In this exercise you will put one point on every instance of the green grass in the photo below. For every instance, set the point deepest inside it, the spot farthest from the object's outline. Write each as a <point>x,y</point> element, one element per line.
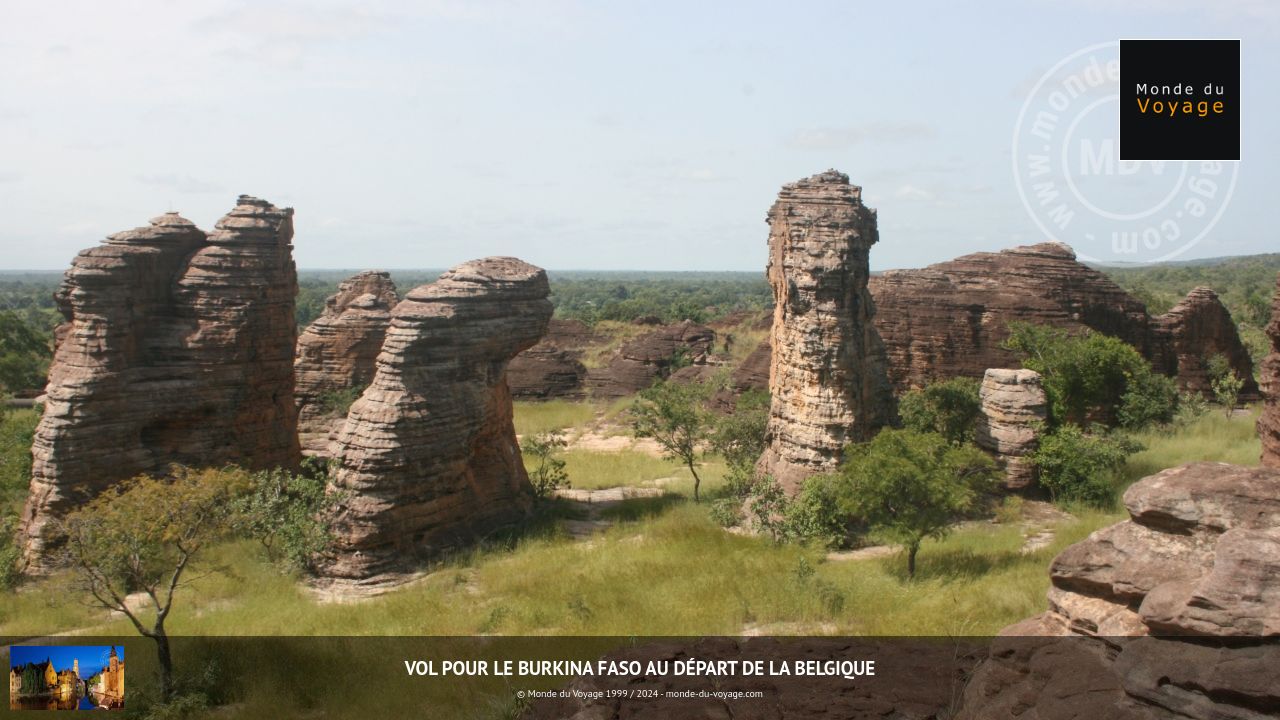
<point>536,417</point>
<point>1210,437</point>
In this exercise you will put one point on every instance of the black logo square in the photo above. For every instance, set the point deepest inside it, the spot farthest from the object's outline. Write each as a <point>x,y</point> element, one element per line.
<point>1179,99</point>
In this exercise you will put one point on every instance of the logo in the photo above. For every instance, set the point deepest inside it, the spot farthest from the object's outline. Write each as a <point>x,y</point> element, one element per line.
<point>1076,187</point>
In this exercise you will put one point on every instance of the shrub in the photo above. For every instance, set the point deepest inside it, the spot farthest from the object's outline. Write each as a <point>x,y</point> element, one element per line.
<point>908,486</point>
<point>726,512</point>
<point>739,438</point>
<point>947,407</point>
<point>337,403</point>
<point>286,512</point>
<point>1079,466</point>
<point>1093,377</point>
<point>814,515</point>
<point>10,552</point>
<point>548,472</point>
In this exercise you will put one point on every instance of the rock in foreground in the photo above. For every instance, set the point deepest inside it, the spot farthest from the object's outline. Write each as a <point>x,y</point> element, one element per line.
<point>1174,613</point>
<point>177,347</point>
<point>427,457</point>
<point>827,380</point>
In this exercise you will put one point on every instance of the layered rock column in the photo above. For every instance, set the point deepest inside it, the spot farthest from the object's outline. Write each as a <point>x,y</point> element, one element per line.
<point>827,375</point>
<point>176,348</point>
<point>1269,422</point>
<point>427,458</point>
<point>337,353</point>
<point>1193,332</point>
<point>1013,410</point>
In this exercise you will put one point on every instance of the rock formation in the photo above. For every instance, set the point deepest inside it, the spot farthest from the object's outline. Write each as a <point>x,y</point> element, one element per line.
<point>336,354</point>
<point>1013,409</point>
<point>950,319</point>
<point>177,348</point>
<point>650,357</point>
<point>1269,423</point>
<point>827,379</point>
<point>553,368</point>
<point>1190,334</point>
<point>1174,613</point>
<point>427,457</point>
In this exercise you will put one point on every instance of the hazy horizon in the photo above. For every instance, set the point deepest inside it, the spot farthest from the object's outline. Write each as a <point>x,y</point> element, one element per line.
<point>572,135</point>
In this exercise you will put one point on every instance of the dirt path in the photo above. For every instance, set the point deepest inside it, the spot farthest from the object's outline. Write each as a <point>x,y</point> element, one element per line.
<point>595,502</point>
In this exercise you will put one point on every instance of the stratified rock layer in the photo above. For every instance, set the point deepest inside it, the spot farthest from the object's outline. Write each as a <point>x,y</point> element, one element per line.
<point>827,378</point>
<point>336,353</point>
<point>1013,410</point>
<point>427,458</point>
<point>1193,332</point>
<point>177,348</point>
<point>642,361</point>
<point>1269,422</point>
<point>553,368</point>
<point>1174,613</point>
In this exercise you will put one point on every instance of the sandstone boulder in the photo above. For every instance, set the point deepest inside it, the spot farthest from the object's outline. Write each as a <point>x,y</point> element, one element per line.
<point>177,347</point>
<point>1269,422</point>
<point>553,368</point>
<point>337,352</point>
<point>427,458</point>
<point>1174,613</point>
<point>650,357</point>
<point>827,379</point>
<point>1013,412</point>
<point>1193,332</point>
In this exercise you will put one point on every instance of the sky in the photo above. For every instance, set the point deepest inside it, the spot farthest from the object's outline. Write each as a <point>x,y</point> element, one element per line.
<point>575,135</point>
<point>92,657</point>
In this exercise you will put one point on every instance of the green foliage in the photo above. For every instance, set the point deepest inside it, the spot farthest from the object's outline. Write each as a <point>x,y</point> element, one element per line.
<point>670,297</point>
<point>337,403</point>
<point>675,416</point>
<point>815,515</point>
<point>25,353</point>
<point>947,407</point>
<point>1226,385</point>
<point>287,513</point>
<point>739,438</point>
<point>908,486</point>
<point>726,512</point>
<point>548,472</point>
<point>10,552</point>
<point>1076,466</point>
<point>1093,377</point>
<point>17,429</point>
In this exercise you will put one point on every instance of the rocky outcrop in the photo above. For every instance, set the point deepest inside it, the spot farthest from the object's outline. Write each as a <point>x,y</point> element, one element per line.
<point>1013,412</point>
<point>553,368</point>
<point>427,457</point>
<point>951,319</point>
<point>177,347</point>
<point>1188,336</point>
<point>1172,613</point>
<point>651,357</point>
<point>1269,422</point>
<point>336,354</point>
<point>827,380</point>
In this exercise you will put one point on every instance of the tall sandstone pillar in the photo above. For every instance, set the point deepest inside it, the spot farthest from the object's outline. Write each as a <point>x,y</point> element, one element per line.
<point>427,458</point>
<point>827,378</point>
<point>1269,423</point>
<point>177,347</point>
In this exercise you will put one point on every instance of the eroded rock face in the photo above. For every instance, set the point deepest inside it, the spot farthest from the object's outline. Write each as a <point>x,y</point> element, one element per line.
<point>1150,604</point>
<point>337,352</point>
<point>553,368</point>
<point>427,457</point>
<point>1190,334</point>
<point>827,378</point>
<point>652,356</point>
<point>177,348</point>
<point>1014,408</point>
<point>1269,422</point>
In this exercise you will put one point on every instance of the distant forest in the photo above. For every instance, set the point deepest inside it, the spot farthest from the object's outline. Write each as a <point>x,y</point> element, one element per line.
<point>1246,283</point>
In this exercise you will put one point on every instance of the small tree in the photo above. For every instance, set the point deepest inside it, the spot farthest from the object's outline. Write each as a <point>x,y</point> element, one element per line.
<point>1079,466</point>
<point>548,472</point>
<point>947,407</point>
<point>1224,382</point>
<point>909,485</point>
<point>739,438</point>
<point>142,536</point>
<point>287,512</point>
<point>675,416</point>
